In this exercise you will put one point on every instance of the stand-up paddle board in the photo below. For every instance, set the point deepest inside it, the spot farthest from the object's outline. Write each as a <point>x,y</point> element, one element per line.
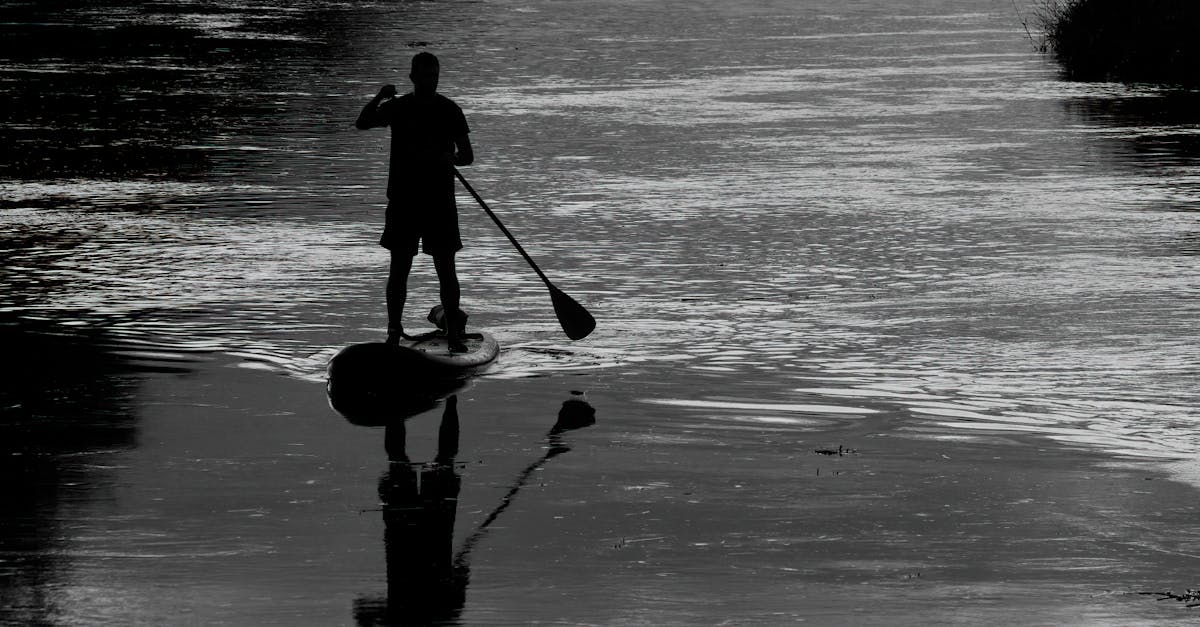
<point>482,349</point>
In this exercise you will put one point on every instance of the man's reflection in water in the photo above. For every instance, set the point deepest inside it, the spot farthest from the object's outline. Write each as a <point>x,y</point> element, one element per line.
<point>425,585</point>
<point>427,581</point>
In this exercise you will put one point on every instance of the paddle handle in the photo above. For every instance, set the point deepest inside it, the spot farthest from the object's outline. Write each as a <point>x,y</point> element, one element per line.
<point>503,229</point>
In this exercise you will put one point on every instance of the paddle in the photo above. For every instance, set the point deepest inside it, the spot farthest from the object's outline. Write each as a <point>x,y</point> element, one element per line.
<point>575,320</point>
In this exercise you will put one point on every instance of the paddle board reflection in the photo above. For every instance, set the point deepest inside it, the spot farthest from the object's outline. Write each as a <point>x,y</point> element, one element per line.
<point>426,579</point>
<point>373,382</point>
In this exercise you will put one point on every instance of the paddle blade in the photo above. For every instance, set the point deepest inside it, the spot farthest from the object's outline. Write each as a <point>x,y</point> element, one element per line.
<point>575,320</point>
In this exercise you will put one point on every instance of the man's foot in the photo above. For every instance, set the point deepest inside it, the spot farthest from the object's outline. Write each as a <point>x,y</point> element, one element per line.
<point>456,345</point>
<point>395,335</point>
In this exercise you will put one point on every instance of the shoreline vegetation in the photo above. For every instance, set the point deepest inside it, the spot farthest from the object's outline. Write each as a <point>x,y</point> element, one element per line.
<point>1150,41</point>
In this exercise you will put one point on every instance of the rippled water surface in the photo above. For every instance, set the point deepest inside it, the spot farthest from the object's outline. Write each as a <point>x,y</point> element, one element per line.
<point>858,203</point>
<point>782,214</point>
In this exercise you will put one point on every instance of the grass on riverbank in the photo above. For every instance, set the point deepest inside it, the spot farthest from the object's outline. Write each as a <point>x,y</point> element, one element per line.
<point>1148,41</point>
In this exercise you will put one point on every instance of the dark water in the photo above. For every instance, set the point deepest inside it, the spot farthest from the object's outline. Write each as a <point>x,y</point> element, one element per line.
<point>796,223</point>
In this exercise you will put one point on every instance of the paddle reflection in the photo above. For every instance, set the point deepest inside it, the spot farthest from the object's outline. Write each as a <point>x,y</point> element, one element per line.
<point>426,579</point>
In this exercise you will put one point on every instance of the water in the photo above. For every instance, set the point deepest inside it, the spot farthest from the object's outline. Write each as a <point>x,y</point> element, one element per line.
<point>795,222</point>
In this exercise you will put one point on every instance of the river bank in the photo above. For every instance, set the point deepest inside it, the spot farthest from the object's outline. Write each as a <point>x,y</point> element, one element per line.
<point>1096,40</point>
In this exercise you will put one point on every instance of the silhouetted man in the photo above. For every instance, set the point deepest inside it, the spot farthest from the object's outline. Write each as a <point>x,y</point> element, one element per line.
<point>429,138</point>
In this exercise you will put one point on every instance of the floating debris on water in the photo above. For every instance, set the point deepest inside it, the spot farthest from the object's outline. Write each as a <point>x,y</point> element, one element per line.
<point>841,450</point>
<point>1190,596</point>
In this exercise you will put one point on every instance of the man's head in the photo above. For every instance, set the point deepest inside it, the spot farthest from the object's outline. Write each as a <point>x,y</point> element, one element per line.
<point>424,74</point>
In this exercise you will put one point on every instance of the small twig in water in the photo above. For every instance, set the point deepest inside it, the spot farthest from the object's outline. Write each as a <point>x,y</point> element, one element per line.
<point>1189,596</point>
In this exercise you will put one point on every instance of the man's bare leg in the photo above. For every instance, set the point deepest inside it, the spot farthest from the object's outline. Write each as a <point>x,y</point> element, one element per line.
<point>397,294</point>
<point>451,295</point>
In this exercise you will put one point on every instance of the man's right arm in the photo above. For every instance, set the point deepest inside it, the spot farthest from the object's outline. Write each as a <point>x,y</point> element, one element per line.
<point>370,116</point>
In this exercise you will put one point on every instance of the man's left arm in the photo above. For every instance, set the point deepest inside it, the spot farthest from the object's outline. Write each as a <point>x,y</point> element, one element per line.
<point>371,116</point>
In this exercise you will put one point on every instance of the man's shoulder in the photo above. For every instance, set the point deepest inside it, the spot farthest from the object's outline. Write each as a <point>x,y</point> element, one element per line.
<point>410,99</point>
<point>447,102</point>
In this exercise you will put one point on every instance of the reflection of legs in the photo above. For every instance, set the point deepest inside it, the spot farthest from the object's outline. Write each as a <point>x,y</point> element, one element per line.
<point>394,437</point>
<point>419,528</point>
<point>440,485</point>
<point>451,295</point>
<point>448,432</point>
<point>439,482</point>
<point>397,293</point>
<point>402,519</point>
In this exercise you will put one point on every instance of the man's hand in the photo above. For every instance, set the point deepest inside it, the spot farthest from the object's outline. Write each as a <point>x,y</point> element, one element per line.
<point>463,153</point>
<point>369,117</point>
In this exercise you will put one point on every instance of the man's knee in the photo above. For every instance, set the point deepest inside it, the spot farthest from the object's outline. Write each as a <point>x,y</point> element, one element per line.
<point>444,264</point>
<point>401,262</point>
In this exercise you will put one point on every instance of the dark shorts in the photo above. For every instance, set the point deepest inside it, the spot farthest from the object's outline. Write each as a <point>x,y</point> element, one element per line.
<point>436,232</point>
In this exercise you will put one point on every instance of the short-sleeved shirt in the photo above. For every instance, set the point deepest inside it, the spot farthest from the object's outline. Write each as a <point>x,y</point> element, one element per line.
<point>423,129</point>
<point>420,182</point>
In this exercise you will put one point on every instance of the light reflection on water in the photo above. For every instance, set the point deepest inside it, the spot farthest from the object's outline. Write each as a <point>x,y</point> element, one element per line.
<point>900,212</point>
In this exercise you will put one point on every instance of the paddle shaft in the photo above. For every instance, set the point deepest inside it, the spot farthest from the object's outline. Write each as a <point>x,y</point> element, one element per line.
<point>504,230</point>
<point>576,321</point>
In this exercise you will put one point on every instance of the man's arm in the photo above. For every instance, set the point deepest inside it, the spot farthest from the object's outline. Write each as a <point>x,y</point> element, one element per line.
<point>463,154</point>
<point>369,117</point>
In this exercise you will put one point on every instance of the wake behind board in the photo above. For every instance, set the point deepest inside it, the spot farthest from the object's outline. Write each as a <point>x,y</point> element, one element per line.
<point>375,380</point>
